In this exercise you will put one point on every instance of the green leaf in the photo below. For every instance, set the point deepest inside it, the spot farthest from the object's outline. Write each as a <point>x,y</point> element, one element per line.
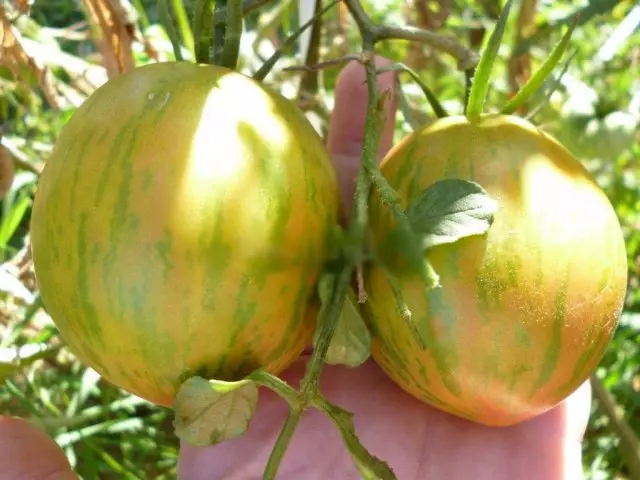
<point>15,359</point>
<point>208,412</point>
<point>351,341</point>
<point>538,78</point>
<point>369,466</point>
<point>480,86</point>
<point>450,210</point>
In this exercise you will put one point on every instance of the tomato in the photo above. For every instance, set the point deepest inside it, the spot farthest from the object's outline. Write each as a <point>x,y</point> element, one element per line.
<point>179,228</point>
<point>525,312</point>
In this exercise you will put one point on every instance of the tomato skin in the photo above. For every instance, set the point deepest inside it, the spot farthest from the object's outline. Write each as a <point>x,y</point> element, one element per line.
<point>525,312</point>
<point>179,228</point>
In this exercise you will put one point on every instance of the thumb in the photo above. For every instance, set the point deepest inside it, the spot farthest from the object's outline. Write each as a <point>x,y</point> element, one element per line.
<point>346,132</point>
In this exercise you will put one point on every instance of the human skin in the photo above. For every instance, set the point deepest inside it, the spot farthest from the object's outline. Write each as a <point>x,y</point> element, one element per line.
<point>417,441</point>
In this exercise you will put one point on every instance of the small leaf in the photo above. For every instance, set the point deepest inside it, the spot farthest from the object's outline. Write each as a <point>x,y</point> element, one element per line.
<point>480,86</point>
<point>208,412</point>
<point>369,466</point>
<point>450,210</point>
<point>351,342</point>
<point>538,78</point>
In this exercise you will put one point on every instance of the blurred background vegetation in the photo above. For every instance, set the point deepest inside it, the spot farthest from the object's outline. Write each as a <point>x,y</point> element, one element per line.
<point>54,53</point>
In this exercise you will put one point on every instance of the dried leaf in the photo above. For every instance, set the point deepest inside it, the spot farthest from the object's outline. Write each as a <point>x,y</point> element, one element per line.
<point>23,6</point>
<point>118,30</point>
<point>208,412</point>
<point>14,56</point>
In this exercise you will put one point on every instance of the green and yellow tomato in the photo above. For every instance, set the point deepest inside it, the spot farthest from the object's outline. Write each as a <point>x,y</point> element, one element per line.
<point>180,226</point>
<point>525,312</point>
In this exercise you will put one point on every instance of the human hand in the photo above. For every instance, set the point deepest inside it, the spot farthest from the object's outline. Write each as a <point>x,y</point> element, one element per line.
<point>418,442</point>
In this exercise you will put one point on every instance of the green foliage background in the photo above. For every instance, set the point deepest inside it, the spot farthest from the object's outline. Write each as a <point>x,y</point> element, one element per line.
<point>109,434</point>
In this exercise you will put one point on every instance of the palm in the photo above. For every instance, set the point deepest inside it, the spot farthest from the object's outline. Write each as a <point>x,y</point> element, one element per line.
<point>417,441</point>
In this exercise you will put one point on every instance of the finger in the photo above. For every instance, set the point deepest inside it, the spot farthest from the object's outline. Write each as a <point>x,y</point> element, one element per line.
<point>26,452</point>
<point>346,133</point>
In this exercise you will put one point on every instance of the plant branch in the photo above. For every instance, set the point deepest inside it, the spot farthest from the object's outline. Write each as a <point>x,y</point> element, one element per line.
<point>329,317</point>
<point>629,443</point>
<point>268,65</point>
<point>282,442</point>
<point>466,58</point>
<point>309,81</point>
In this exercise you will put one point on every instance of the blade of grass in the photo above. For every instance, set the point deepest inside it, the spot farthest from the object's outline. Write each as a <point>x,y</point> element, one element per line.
<point>13,217</point>
<point>203,29</point>
<point>232,35</point>
<point>480,85</point>
<point>554,86</point>
<point>438,109</point>
<point>539,77</point>
<point>266,67</point>
<point>167,23</point>
<point>182,20</point>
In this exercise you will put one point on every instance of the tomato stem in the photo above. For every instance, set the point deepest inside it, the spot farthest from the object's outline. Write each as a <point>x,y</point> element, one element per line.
<point>282,443</point>
<point>276,385</point>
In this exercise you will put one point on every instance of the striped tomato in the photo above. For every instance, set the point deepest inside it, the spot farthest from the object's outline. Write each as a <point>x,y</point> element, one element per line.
<point>180,225</point>
<point>525,312</point>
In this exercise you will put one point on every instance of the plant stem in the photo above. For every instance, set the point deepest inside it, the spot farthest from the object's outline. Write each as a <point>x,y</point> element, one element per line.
<point>466,58</point>
<point>328,320</point>
<point>266,67</point>
<point>182,19</point>
<point>232,35</point>
<point>276,385</point>
<point>282,442</point>
<point>629,443</point>
<point>203,29</point>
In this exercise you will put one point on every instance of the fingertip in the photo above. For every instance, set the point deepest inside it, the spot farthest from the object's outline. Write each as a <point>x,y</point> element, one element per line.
<point>26,451</point>
<point>346,133</point>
